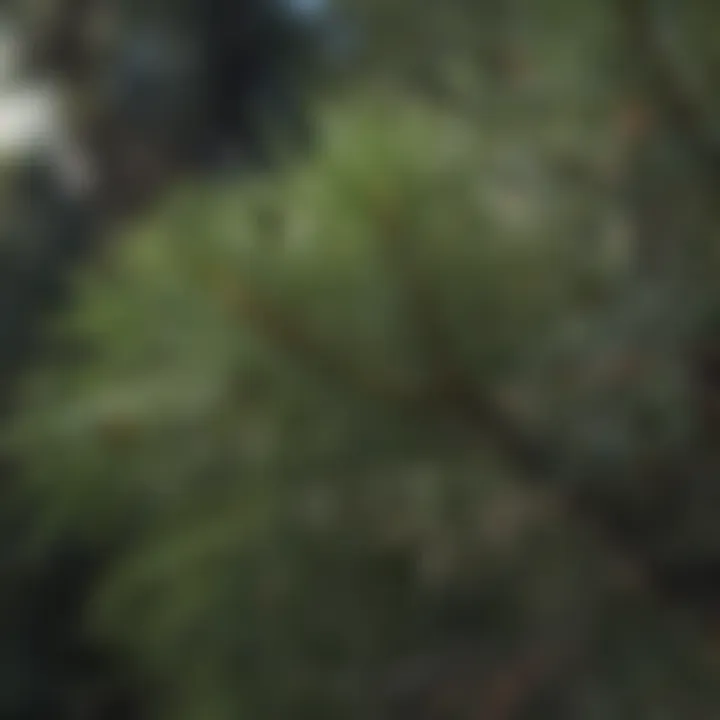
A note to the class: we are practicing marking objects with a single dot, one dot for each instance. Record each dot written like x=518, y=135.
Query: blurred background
x=359, y=360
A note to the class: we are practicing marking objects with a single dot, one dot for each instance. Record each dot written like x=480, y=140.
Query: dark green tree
x=425, y=426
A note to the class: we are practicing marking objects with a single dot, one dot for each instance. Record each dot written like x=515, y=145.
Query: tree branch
x=537, y=457
x=301, y=343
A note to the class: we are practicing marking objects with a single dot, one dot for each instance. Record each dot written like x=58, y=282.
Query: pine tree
x=422, y=426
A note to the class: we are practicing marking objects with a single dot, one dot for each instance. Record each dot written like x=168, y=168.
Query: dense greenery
x=421, y=426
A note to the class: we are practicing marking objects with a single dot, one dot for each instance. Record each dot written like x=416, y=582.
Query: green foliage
x=287, y=416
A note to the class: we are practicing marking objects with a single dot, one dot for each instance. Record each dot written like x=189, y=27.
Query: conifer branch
x=536, y=457
x=300, y=342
